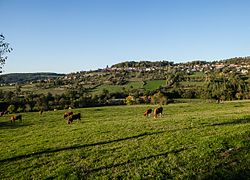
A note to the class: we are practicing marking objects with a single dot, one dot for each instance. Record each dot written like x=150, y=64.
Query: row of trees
x=142, y=64
x=72, y=98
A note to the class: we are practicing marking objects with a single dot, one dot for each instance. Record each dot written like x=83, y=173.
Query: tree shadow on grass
x=54, y=150
x=232, y=165
x=8, y=125
x=129, y=161
x=233, y=122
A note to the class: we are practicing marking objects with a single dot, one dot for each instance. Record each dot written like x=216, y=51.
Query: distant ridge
x=27, y=77
x=146, y=64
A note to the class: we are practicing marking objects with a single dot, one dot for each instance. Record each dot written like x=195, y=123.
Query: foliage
x=142, y=64
x=27, y=108
x=11, y=109
x=159, y=98
x=226, y=87
x=4, y=48
x=130, y=100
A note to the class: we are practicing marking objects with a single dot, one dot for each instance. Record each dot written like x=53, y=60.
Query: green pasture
x=154, y=84
x=33, y=88
x=26, y=87
x=53, y=91
x=118, y=88
x=193, y=140
x=192, y=84
x=149, y=85
x=198, y=74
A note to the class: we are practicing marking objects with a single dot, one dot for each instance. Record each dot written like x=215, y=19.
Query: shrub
x=130, y=100
x=11, y=108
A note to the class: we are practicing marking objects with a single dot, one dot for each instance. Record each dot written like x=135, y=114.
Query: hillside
x=144, y=82
x=134, y=70
x=27, y=77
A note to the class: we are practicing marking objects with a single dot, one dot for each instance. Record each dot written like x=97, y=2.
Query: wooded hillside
x=27, y=77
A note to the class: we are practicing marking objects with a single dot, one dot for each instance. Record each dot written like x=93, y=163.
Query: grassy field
x=192, y=84
x=154, y=84
x=194, y=140
x=33, y=88
x=150, y=86
x=118, y=88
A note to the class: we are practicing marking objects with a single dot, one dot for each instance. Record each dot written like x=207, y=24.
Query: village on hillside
x=238, y=65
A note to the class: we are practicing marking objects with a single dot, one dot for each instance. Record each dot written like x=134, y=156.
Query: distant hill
x=142, y=64
x=27, y=77
x=134, y=69
x=147, y=64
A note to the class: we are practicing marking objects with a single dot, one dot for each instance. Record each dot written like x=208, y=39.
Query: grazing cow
x=74, y=117
x=158, y=111
x=147, y=112
x=16, y=117
x=67, y=114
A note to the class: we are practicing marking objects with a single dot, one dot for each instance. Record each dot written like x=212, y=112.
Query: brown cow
x=16, y=117
x=147, y=112
x=67, y=114
x=158, y=111
x=74, y=117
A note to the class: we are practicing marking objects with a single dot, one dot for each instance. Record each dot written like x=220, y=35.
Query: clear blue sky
x=74, y=35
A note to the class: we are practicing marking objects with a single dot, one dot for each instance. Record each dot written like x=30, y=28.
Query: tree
x=4, y=48
x=27, y=108
x=130, y=100
x=159, y=98
x=18, y=89
x=11, y=108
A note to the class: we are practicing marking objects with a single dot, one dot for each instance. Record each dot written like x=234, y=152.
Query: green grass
x=198, y=74
x=193, y=84
x=118, y=88
x=194, y=140
x=33, y=88
x=27, y=87
x=150, y=85
x=53, y=91
x=154, y=84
